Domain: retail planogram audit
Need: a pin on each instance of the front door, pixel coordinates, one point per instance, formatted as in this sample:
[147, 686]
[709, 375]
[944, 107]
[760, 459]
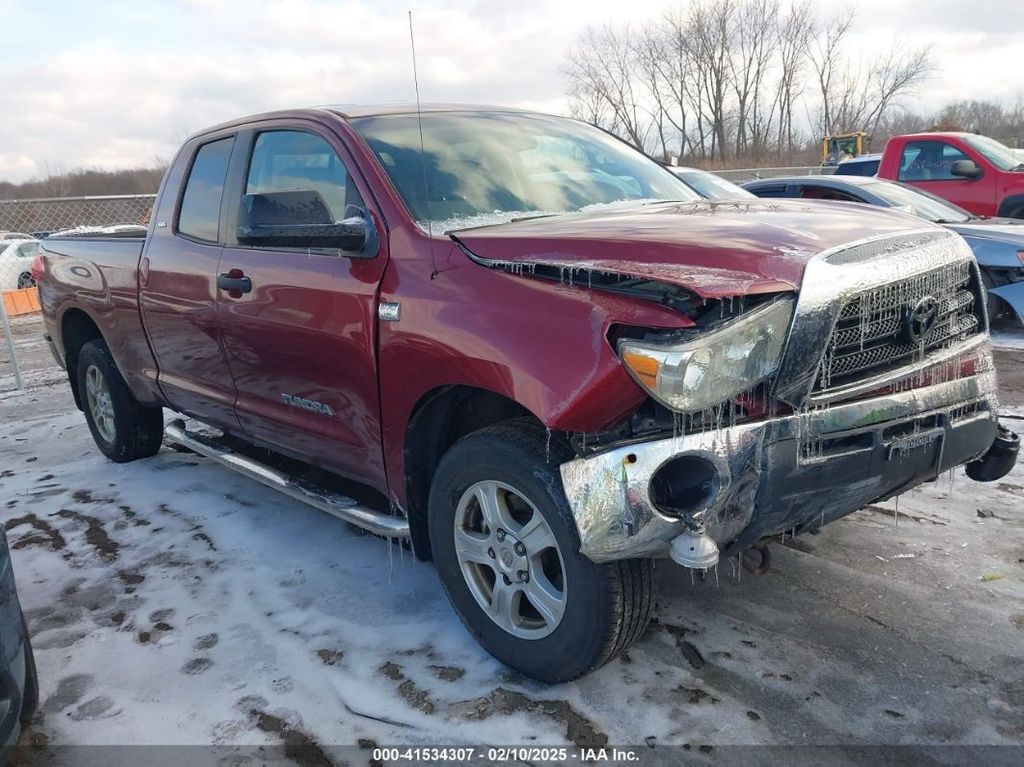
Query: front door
[177, 286]
[928, 164]
[299, 335]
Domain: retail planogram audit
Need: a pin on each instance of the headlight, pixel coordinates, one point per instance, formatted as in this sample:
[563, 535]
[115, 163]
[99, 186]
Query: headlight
[715, 366]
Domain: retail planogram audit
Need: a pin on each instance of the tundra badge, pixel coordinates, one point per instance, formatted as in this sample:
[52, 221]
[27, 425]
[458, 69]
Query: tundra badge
[307, 404]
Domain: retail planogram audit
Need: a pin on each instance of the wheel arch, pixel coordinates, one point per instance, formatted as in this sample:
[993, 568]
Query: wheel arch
[1011, 204]
[77, 329]
[440, 418]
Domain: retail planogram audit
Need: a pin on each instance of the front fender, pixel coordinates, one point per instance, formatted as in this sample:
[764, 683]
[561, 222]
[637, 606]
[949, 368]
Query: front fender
[539, 343]
[1013, 295]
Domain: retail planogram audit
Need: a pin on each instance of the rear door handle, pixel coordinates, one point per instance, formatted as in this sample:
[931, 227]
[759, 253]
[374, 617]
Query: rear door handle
[235, 283]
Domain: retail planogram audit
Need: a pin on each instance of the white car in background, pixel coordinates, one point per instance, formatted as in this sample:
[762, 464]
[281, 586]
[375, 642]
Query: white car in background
[16, 257]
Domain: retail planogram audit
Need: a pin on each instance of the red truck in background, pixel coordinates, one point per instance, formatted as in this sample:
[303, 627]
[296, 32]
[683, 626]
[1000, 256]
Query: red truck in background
[528, 350]
[975, 172]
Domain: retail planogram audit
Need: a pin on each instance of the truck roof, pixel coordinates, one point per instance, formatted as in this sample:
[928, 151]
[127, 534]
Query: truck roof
[347, 111]
[934, 134]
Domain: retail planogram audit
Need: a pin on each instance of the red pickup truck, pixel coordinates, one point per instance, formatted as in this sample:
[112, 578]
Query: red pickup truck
[530, 351]
[975, 172]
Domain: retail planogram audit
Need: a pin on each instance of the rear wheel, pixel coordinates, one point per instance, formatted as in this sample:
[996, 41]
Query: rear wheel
[26, 280]
[123, 429]
[508, 553]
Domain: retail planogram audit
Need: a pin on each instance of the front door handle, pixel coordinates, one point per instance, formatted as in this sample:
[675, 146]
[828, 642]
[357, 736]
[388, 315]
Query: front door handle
[235, 283]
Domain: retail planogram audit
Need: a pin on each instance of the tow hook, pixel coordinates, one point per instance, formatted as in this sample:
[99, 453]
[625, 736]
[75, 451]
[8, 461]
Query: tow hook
[694, 549]
[998, 460]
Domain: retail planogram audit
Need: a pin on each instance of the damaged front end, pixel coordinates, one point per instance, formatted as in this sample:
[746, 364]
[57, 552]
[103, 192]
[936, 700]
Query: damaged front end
[878, 378]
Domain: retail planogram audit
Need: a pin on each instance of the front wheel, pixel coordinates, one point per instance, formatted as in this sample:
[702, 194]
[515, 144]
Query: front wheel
[507, 550]
[123, 429]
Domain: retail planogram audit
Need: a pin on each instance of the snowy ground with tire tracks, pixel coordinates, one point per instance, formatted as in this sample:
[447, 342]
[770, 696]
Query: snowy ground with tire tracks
[171, 601]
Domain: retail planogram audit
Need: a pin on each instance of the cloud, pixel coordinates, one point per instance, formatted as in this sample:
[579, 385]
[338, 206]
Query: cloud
[117, 85]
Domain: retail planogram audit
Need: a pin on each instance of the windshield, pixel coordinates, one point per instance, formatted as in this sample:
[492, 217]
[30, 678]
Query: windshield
[480, 168]
[919, 203]
[713, 187]
[998, 154]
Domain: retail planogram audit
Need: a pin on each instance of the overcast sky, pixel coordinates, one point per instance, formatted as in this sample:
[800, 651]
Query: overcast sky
[99, 83]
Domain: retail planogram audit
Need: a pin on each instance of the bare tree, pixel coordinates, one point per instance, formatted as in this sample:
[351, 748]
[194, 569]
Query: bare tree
[710, 25]
[794, 34]
[827, 60]
[855, 96]
[721, 79]
[601, 67]
[753, 43]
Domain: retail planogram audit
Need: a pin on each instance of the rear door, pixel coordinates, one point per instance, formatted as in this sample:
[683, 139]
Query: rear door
[301, 339]
[177, 284]
[927, 164]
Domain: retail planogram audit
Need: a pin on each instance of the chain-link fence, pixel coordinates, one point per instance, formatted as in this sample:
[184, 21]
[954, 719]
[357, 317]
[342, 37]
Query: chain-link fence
[23, 223]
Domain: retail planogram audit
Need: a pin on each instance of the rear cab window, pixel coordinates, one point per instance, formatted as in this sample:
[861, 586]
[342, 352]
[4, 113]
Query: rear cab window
[199, 215]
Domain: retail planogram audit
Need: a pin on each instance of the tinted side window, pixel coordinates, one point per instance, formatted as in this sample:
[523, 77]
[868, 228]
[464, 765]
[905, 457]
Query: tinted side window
[200, 204]
[777, 190]
[929, 161]
[289, 161]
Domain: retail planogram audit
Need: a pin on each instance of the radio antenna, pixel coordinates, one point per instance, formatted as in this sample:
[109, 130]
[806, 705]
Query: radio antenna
[423, 151]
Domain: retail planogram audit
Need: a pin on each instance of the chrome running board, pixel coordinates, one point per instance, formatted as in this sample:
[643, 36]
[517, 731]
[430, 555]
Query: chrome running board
[336, 505]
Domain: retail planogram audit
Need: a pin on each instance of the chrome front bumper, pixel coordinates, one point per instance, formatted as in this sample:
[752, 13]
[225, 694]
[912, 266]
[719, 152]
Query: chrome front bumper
[774, 475]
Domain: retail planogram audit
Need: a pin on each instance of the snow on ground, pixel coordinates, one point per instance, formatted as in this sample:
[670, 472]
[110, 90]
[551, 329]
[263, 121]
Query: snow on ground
[173, 602]
[1008, 339]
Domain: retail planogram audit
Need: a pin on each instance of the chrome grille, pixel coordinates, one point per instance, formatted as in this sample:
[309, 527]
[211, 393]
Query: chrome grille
[869, 336]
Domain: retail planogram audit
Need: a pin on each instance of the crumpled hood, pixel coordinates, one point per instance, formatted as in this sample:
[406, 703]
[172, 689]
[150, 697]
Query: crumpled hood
[714, 249]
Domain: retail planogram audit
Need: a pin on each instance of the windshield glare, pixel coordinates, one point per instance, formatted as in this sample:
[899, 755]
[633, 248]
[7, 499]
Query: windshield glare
[479, 168]
[919, 203]
[998, 154]
[713, 187]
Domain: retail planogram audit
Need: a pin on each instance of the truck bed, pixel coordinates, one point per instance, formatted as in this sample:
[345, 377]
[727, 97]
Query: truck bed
[98, 276]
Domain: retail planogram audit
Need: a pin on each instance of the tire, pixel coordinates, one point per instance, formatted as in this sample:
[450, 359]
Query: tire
[30, 691]
[995, 306]
[26, 280]
[123, 429]
[592, 612]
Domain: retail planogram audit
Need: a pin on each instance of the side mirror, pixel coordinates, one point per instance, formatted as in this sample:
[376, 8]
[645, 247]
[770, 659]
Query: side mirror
[965, 169]
[301, 219]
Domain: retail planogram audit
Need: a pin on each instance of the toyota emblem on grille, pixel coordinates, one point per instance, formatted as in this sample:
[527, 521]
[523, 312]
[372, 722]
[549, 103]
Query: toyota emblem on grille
[918, 321]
